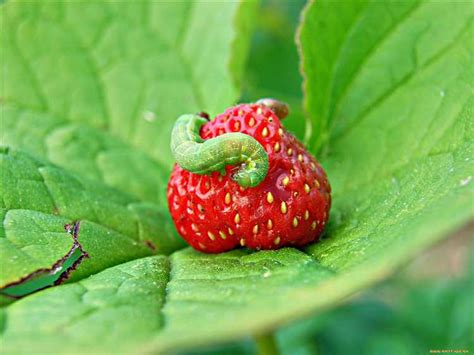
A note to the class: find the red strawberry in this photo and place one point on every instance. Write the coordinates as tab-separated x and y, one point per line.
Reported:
290	207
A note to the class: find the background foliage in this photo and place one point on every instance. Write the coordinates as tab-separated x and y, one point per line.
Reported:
89	93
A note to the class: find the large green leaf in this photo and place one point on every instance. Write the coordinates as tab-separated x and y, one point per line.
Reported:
95	87
398	118
389	92
365	63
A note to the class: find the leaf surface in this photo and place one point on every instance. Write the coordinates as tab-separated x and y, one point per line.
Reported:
99	93
115	309
39	199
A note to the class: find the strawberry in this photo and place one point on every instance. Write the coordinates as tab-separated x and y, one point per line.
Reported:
290	207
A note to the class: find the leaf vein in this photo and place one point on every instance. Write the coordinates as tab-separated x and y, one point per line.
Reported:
372	51
407	78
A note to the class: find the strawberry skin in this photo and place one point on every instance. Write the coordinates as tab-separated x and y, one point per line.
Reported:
289	208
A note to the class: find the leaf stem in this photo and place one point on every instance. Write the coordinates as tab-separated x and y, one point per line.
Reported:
266	344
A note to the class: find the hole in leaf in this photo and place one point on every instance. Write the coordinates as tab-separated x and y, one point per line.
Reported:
56	275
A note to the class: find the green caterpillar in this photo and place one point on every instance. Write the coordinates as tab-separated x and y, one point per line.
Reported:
199	156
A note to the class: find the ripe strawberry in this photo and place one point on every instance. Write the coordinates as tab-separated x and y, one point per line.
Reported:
290	207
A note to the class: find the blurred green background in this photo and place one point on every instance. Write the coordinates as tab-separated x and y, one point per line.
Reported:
272	66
